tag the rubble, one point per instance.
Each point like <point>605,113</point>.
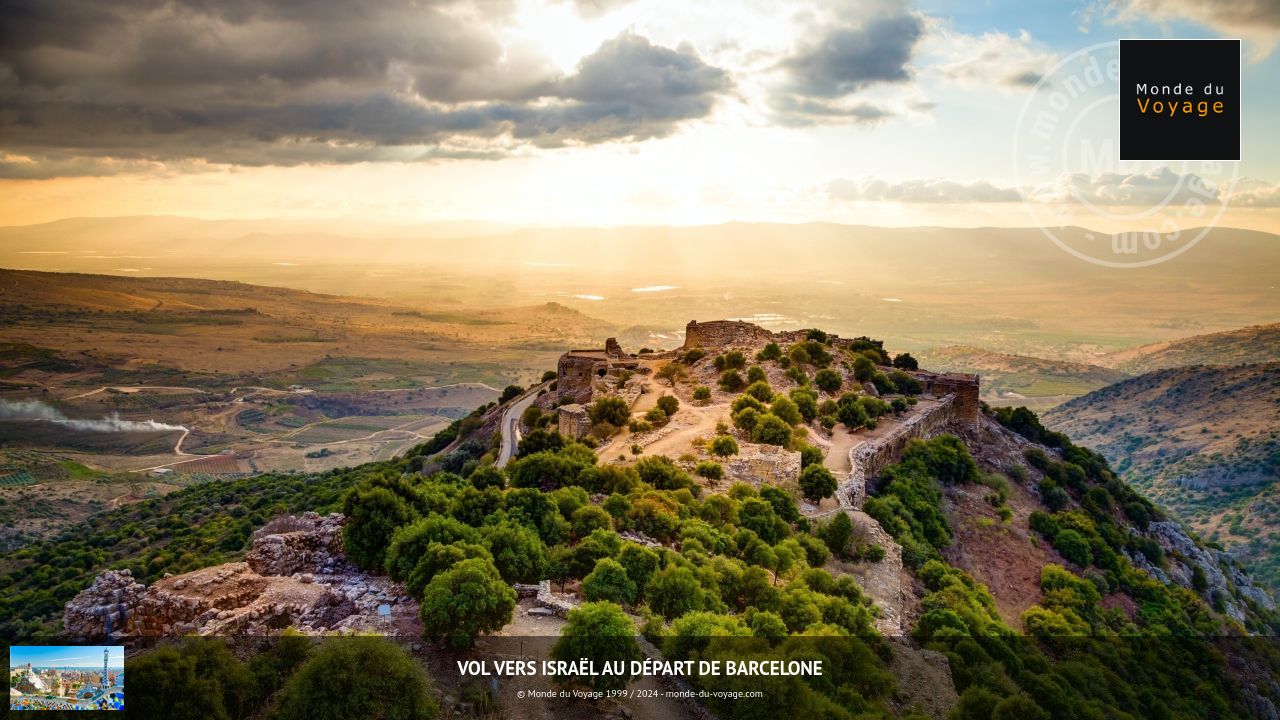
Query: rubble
<point>294,575</point>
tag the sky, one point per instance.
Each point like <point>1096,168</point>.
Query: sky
<point>601,112</point>
<point>65,656</point>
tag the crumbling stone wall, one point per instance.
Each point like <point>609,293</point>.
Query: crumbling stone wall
<point>963,386</point>
<point>760,465</point>
<point>716,334</point>
<point>869,458</point>
<point>572,421</point>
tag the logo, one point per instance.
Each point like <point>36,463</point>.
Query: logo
<point>1179,99</point>
<point>1093,195</point>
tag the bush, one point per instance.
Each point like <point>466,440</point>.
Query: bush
<point>589,518</point>
<point>771,430</point>
<point>437,558</point>
<point>702,393</point>
<point>785,408</point>
<point>731,381</point>
<point>198,680</point>
<point>863,368</point>
<point>333,684</point>
<point>487,476</point>
<point>655,416</point>
<point>373,515</point>
<point>669,404</point>
<point>518,553</point>
<point>836,534</point>
<point>662,473</point>
<point>770,351</point>
<point>724,446</point>
<point>710,470</point>
<point>755,374</point>
<point>609,581</point>
<point>510,392</point>
<point>905,362</point>
<point>828,381</point>
<point>817,482</point>
<point>760,391</point>
<point>611,410</point>
<point>461,603</point>
<point>602,632</point>
<point>675,591</point>
<point>1074,547</point>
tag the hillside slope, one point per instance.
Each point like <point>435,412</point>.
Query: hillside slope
<point>1021,379</point>
<point>1201,440</point>
<point>1254,344</point>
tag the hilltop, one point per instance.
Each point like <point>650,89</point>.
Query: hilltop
<point>838,492</point>
<point>1254,344</point>
<point>1200,440</point>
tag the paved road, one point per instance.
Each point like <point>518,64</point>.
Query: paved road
<point>510,419</point>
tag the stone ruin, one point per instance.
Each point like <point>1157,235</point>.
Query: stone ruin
<point>294,575</point>
<point>572,421</point>
<point>578,371</point>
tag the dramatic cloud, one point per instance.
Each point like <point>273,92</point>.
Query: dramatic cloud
<point>1251,193</point>
<point>297,82</point>
<point>822,75</point>
<point>935,190</point>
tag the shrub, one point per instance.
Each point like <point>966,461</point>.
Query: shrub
<point>518,553</point>
<point>755,374</point>
<point>510,392</point>
<point>461,603</point>
<point>702,393</point>
<point>669,404</point>
<point>785,408</point>
<point>724,446</point>
<point>602,632</point>
<point>611,410</point>
<point>771,430</point>
<point>817,482</point>
<point>905,362</point>
<point>437,558</point>
<point>373,516</point>
<point>655,416</point>
<point>1074,547</point>
<point>828,381</point>
<point>662,473</point>
<point>609,581</point>
<point>731,381</point>
<point>330,685</point>
<point>760,391</point>
<point>770,351</point>
<point>836,534</point>
<point>709,470</point>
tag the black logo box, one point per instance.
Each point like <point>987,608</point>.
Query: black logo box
<point>1185,64</point>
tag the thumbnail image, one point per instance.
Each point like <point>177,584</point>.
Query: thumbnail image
<point>66,677</point>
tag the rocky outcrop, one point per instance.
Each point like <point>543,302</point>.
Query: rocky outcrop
<point>294,576</point>
<point>103,608</point>
<point>291,545</point>
<point>1186,556</point>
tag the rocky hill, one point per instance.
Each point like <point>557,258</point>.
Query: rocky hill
<point>1200,440</point>
<point>1250,345</point>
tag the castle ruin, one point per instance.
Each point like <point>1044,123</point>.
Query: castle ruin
<point>578,370</point>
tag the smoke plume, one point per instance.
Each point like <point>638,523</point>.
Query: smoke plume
<point>36,410</point>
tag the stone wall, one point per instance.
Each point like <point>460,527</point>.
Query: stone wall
<point>760,465</point>
<point>963,386</point>
<point>572,421</point>
<point>716,334</point>
<point>869,458</point>
<point>577,372</point>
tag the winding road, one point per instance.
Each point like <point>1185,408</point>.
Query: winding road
<point>511,420</point>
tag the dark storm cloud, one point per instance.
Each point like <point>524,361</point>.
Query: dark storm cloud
<point>844,61</point>
<point>849,59</point>
<point>87,84</point>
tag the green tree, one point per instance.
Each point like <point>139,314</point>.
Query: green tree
<point>760,390</point>
<point>709,470</point>
<point>196,680</point>
<point>702,393</point>
<point>731,381</point>
<point>410,542</point>
<point>770,351</point>
<point>609,581</point>
<point>461,603</point>
<point>675,591</point>
<point>589,518</point>
<point>669,404</point>
<point>817,482</point>
<point>863,368</point>
<point>724,446</point>
<point>904,361</point>
<point>487,476</point>
<point>602,632</point>
<point>518,553</point>
<point>662,473</point>
<point>437,558</point>
<point>828,381</point>
<point>334,684</point>
<point>510,392</point>
<point>373,516</point>
<point>1073,547</point>
<point>756,374</point>
<point>785,408</point>
<point>836,534</point>
<point>610,409</point>
<point>771,430</point>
